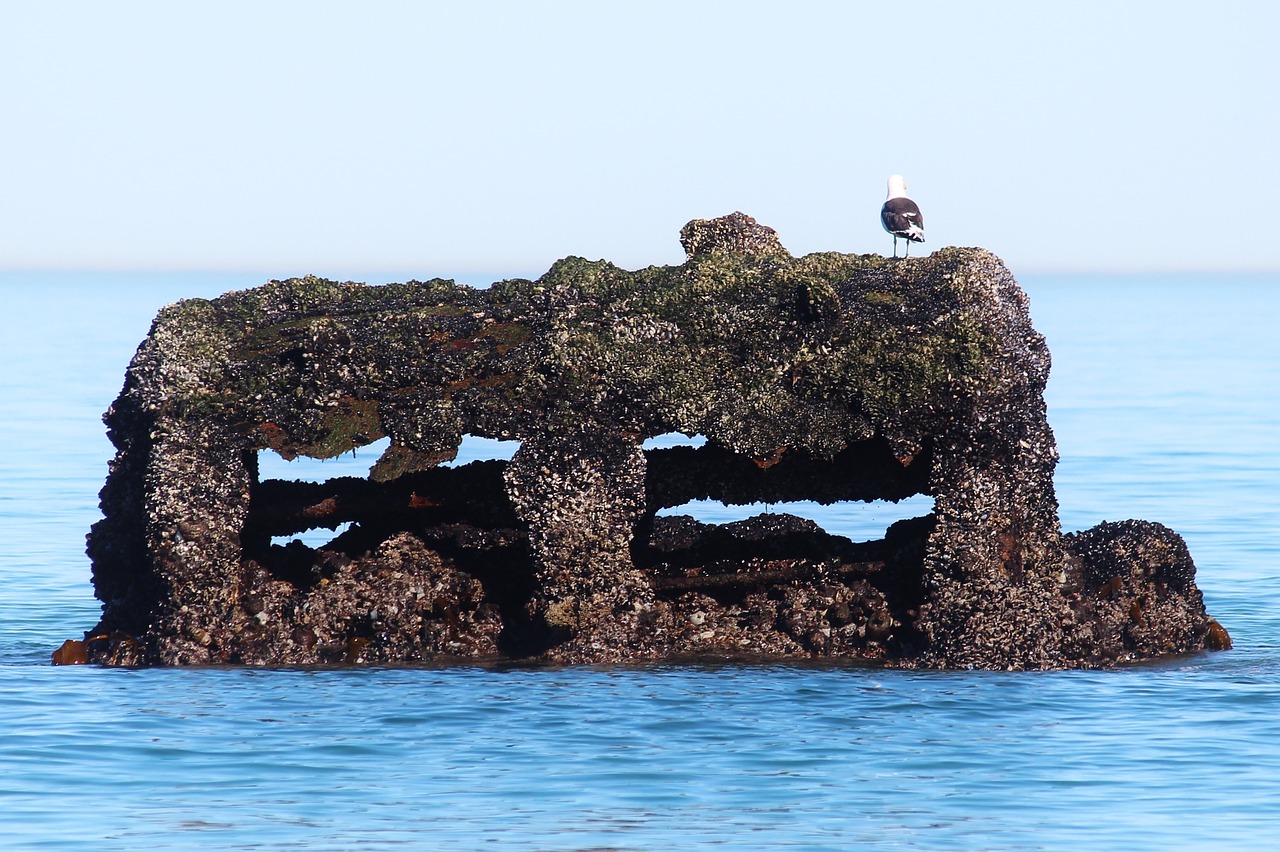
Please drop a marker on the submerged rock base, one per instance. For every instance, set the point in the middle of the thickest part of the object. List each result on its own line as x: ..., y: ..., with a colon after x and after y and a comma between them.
x: 828, y: 377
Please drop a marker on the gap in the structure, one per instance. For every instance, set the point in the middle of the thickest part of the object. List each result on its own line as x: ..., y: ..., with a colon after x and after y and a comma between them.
x: 674, y: 439
x: 474, y: 448
x: 271, y: 465
x: 314, y: 538
x: 852, y: 519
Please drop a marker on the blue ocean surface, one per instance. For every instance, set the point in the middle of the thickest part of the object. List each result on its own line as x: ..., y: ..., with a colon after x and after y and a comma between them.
x: 1165, y: 403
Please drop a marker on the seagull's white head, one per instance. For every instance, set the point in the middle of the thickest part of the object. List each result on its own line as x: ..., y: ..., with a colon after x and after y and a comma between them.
x: 897, y: 186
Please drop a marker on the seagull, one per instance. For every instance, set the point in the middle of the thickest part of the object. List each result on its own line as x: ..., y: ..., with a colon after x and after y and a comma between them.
x: 900, y: 216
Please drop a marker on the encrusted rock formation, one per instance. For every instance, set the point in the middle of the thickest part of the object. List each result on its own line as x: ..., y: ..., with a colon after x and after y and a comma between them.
x: 828, y: 377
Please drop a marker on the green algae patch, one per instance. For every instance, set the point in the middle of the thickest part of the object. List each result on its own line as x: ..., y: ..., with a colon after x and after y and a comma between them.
x: 757, y: 351
x: 346, y: 425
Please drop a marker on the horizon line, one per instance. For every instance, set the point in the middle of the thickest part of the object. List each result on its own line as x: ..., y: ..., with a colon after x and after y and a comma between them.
x: 499, y: 273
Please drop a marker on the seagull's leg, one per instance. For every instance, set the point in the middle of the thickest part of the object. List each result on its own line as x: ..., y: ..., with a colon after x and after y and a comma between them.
x: 895, y: 246
x: 907, y: 253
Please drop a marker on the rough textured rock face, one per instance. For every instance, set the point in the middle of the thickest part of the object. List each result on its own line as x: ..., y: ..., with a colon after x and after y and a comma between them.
x: 828, y: 377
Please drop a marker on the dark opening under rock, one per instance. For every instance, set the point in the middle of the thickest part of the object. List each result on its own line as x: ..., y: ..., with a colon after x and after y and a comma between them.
x: 828, y: 377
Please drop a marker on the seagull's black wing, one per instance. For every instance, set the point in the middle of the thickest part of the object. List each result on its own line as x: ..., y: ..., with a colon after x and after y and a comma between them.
x: 899, y: 215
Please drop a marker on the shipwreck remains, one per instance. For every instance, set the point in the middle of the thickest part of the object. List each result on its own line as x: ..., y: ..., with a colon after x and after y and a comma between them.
x: 828, y: 377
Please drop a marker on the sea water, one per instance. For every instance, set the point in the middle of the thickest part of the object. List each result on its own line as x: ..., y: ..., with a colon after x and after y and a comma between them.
x: 1164, y: 402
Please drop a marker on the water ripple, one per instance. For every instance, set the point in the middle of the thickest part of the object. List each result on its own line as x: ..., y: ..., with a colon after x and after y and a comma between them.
x: 1154, y: 400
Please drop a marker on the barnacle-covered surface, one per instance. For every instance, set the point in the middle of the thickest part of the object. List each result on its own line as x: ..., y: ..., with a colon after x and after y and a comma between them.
x: 829, y: 377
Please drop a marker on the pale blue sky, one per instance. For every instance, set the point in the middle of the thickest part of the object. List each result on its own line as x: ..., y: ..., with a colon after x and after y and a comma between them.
x: 451, y: 138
